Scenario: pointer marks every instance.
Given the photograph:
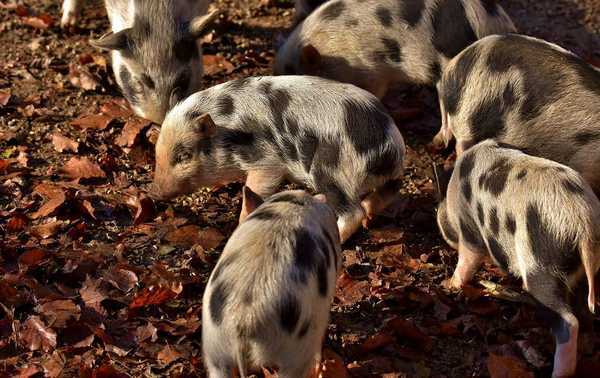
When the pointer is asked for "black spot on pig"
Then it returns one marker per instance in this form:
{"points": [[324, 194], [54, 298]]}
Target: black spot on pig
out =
{"points": [[384, 16], [551, 252], [336, 197], [521, 175], [331, 247], [511, 224], [241, 143], [497, 252], [435, 72], [480, 214], [223, 264], [289, 312], [466, 190], [411, 11], [365, 124], [332, 11], [488, 121], [452, 31], [127, 86], [225, 105], [304, 329], [237, 84], [469, 233], [289, 198], [494, 221], [454, 80], [308, 147], [352, 22], [392, 50], [550, 293], [573, 187], [185, 50], [491, 6], [291, 125], [324, 250], [466, 166], [218, 298], [322, 279], [582, 138], [383, 163], [494, 180]]}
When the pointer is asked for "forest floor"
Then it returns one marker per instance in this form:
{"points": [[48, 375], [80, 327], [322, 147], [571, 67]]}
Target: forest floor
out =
{"points": [[97, 280]]}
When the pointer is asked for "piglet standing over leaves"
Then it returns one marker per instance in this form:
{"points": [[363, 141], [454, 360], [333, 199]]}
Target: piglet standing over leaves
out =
{"points": [[538, 220], [267, 301]]}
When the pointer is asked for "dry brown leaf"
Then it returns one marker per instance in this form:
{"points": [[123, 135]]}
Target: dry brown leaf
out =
{"points": [[43, 21], [57, 313], [92, 294], [377, 341], [507, 367], [190, 235], [130, 132], [4, 98], [53, 365], [332, 365], [78, 168], [62, 143], [28, 371], [32, 257], [154, 295], [116, 108], [54, 196], [168, 354], [215, 64], [46, 230], [92, 121], [350, 291], [407, 329], [35, 335], [82, 78], [17, 223], [122, 279], [143, 333]]}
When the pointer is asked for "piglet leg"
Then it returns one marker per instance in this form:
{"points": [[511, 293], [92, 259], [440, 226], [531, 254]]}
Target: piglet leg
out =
{"points": [[350, 221], [375, 203], [70, 10], [469, 262]]}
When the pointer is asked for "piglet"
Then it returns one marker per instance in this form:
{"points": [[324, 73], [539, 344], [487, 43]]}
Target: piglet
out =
{"points": [[538, 220], [333, 138], [267, 301], [375, 44], [156, 54], [528, 93], [304, 8]]}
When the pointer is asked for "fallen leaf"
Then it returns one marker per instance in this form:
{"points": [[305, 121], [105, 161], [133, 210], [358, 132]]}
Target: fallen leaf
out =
{"points": [[78, 168], [108, 371], [46, 230], [28, 371], [350, 291], [92, 294], [32, 257], [377, 341], [122, 279], [215, 64], [17, 223], [190, 235], [144, 208], [116, 108], [507, 367], [57, 313], [269, 374], [43, 21], [143, 333], [484, 306], [154, 295], [408, 329], [54, 365], [92, 121], [168, 354], [35, 335], [82, 78], [130, 132], [332, 365], [4, 98], [62, 143], [54, 196], [22, 159]]}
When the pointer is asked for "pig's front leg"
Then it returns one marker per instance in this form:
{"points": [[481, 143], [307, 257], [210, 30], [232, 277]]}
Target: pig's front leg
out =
{"points": [[70, 9], [376, 202], [550, 291], [264, 183], [469, 262], [349, 221]]}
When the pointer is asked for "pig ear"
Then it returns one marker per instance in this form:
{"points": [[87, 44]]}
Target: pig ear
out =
{"points": [[112, 41], [250, 200], [321, 198], [442, 177], [205, 126], [199, 24], [310, 58]]}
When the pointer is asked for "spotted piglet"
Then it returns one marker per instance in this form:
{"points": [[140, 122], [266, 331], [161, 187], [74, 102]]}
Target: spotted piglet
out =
{"points": [[538, 220], [528, 93], [268, 299], [331, 137], [377, 43]]}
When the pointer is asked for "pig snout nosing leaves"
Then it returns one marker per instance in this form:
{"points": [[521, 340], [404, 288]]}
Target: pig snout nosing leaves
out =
{"points": [[536, 219], [268, 299]]}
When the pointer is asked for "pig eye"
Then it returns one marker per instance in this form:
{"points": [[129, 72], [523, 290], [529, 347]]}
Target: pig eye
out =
{"points": [[148, 82], [181, 155]]}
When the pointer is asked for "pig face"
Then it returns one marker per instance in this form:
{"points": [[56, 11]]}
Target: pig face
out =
{"points": [[157, 62], [180, 153]]}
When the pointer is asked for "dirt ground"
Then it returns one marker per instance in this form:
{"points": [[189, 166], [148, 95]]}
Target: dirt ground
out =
{"points": [[97, 280]]}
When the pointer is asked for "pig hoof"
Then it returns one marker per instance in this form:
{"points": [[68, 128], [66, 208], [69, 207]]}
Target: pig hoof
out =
{"points": [[68, 19], [451, 284]]}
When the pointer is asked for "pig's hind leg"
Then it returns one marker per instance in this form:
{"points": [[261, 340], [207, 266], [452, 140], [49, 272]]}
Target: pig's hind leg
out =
{"points": [[469, 261], [551, 292]]}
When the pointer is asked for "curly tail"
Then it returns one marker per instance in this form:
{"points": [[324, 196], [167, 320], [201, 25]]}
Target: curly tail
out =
{"points": [[587, 249]]}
